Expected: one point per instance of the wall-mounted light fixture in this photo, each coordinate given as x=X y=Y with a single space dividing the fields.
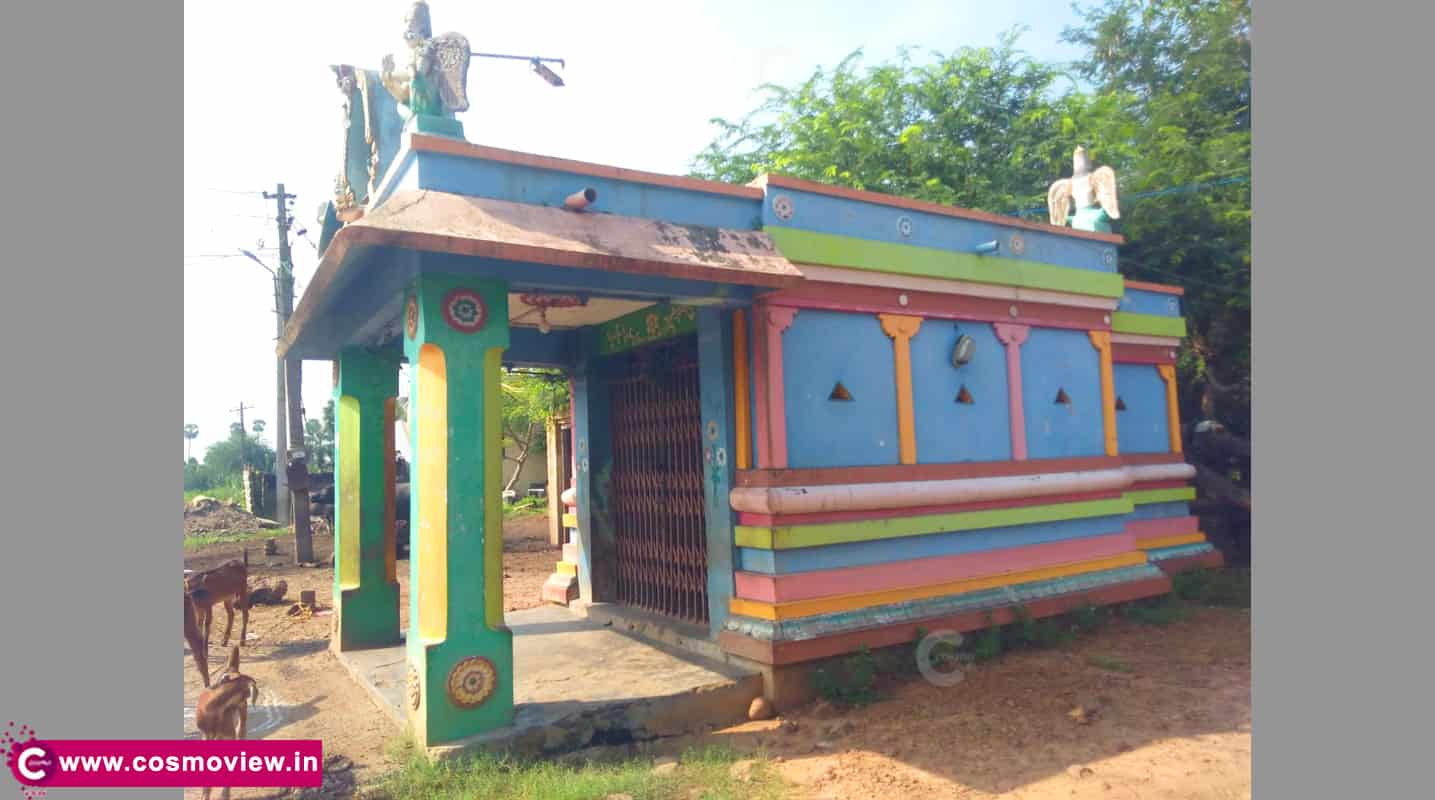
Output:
x=963 y=351
x=581 y=199
x=987 y=248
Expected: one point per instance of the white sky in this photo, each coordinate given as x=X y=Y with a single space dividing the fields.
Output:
x=643 y=79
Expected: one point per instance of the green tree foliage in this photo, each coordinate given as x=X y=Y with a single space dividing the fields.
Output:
x=973 y=128
x=989 y=128
x=319 y=440
x=530 y=399
x=228 y=457
x=1184 y=73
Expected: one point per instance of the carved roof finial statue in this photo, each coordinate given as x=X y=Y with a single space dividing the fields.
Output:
x=1091 y=191
x=435 y=81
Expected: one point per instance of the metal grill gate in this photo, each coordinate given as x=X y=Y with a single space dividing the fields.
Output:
x=657 y=480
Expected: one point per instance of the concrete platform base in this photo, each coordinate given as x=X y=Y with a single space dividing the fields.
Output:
x=579 y=683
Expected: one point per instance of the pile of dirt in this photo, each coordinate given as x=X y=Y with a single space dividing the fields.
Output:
x=208 y=515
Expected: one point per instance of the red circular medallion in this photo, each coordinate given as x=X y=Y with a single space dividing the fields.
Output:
x=464 y=311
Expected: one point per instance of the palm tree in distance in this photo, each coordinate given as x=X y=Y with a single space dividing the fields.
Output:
x=191 y=432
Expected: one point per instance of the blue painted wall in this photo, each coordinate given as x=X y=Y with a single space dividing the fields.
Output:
x=1140 y=301
x=1160 y=510
x=843 y=217
x=524 y=184
x=949 y=431
x=1052 y=360
x=1142 y=427
x=714 y=366
x=820 y=349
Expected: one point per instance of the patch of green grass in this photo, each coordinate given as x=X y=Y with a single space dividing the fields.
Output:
x=227 y=537
x=1229 y=588
x=231 y=491
x=1107 y=662
x=1161 y=611
x=525 y=506
x=495 y=778
x=850 y=682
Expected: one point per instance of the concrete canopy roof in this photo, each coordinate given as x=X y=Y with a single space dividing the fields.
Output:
x=487 y=230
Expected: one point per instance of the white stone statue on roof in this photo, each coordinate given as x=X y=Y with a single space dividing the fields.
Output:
x=1091 y=191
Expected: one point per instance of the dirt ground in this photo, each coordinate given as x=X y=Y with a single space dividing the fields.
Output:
x=304 y=692
x=1170 y=706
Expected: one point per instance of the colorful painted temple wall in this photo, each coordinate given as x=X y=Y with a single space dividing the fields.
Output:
x=882 y=487
x=857 y=482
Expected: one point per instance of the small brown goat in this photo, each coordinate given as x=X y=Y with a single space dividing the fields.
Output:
x=197 y=645
x=227 y=583
x=223 y=710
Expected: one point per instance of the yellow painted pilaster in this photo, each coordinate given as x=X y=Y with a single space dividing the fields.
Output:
x=741 y=408
x=1101 y=340
x=901 y=329
x=1173 y=408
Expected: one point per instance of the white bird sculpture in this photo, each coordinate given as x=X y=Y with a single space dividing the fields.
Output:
x=1091 y=191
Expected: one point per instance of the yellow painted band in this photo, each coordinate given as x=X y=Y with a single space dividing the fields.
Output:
x=1171 y=541
x=431 y=461
x=570 y=520
x=348 y=529
x=567 y=568
x=741 y=409
x=493 y=488
x=852 y=602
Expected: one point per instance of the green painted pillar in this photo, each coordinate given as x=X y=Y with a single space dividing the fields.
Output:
x=460 y=653
x=366 y=589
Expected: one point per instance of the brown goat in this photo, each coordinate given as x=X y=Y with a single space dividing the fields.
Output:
x=197 y=645
x=227 y=583
x=223 y=711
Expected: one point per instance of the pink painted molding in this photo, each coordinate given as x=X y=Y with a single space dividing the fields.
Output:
x=926 y=571
x=907 y=494
x=780 y=520
x=772 y=404
x=933 y=305
x=1144 y=529
x=1013 y=336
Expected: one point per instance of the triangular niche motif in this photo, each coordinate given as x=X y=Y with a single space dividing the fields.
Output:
x=1062 y=398
x=839 y=392
x=965 y=396
x=1120 y=404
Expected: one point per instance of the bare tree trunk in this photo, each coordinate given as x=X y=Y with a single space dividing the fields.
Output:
x=522 y=458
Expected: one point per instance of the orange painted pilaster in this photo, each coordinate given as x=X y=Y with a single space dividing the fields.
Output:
x=1173 y=409
x=743 y=451
x=1101 y=340
x=902 y=329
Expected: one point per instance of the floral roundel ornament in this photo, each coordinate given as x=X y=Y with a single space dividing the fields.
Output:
x=411 y=317
x=472 y=681
x=464 y=311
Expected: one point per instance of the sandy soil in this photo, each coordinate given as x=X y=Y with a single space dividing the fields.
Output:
x=1177 y=725
x=1170 y=721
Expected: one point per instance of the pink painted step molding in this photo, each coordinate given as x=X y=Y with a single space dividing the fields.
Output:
x=924 y=571
x=1144 y=529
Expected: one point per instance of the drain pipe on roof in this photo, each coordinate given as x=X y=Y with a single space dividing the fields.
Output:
x=581 y=200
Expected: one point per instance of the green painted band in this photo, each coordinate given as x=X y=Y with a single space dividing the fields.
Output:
x=1160 y=496
x=644 y=326
x=1148 y=324
x=905 y=259
x=787 y=537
